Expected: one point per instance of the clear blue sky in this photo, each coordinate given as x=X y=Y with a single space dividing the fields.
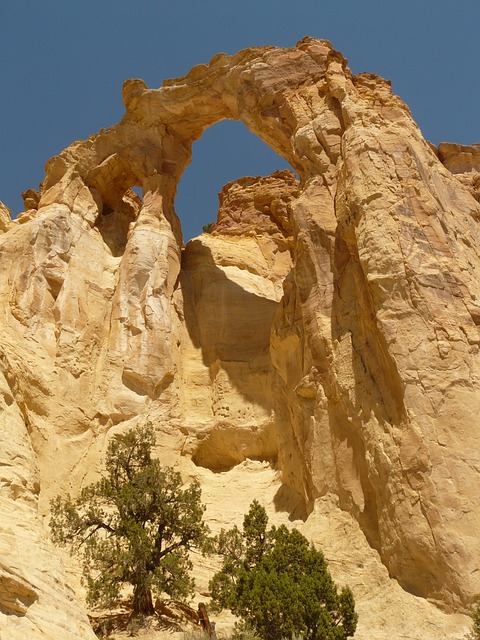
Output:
x=62 y=64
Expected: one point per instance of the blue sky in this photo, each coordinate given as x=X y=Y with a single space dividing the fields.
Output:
x=62 y=64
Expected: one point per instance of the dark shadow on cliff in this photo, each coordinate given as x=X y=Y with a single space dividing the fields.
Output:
x=288 y=500
x=229 y=324
x=376 y=390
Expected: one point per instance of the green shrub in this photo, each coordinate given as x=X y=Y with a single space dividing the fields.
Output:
x=279 y=584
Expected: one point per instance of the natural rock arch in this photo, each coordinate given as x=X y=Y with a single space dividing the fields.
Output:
x=152 y=144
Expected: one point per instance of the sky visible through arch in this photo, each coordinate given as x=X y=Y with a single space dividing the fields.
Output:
x=236 y=152
x=63 y=62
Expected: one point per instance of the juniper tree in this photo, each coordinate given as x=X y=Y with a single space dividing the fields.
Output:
x=134 y=526
x=279 y=584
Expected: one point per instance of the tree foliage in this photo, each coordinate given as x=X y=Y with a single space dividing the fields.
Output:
x=279 y=584
x=134 y=526
x=474 y=633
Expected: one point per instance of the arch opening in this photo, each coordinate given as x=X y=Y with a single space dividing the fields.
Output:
x=226 y=151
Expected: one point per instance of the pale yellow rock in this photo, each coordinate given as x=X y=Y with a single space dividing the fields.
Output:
x=35 y=599
x=319 y=349
x=5 y=217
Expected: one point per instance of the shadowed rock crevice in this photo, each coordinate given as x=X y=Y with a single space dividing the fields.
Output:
x=16 y=595
x=114 y=220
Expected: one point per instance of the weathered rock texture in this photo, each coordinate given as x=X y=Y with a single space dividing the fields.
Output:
x=5 y=217
x=326 y=328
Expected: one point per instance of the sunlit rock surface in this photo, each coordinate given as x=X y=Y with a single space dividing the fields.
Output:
x=318 y=349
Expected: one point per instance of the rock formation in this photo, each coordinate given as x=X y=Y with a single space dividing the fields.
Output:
x=323 y=336
x=5 y=218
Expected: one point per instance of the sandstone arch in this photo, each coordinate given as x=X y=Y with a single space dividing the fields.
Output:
x=374 y=345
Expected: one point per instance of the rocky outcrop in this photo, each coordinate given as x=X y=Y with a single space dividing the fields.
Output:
x=326 y=328
x=5 y=217
x=464 y=162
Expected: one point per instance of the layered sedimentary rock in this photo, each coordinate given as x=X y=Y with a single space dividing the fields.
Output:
x=326 y=327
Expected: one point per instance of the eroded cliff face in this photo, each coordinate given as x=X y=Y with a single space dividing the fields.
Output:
x=324 y=333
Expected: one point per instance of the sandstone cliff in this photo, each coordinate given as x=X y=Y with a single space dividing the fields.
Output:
x=319 y=349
